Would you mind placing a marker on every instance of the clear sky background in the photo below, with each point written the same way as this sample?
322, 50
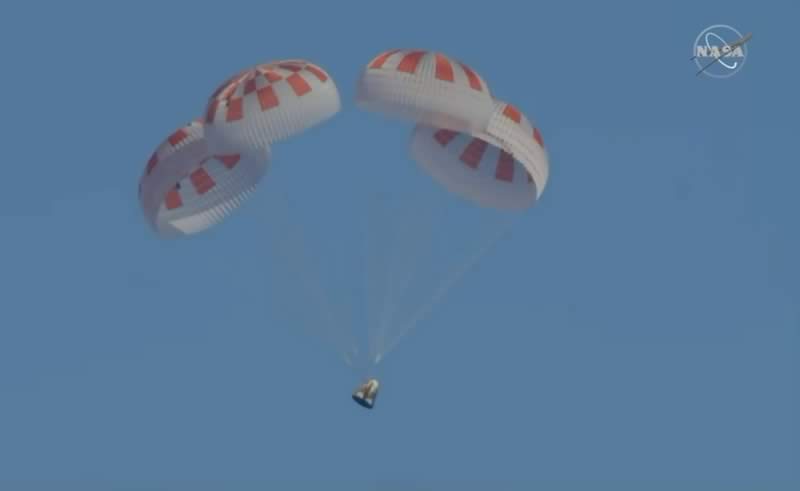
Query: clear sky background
639, 325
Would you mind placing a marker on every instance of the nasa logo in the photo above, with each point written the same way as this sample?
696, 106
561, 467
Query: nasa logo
719, 51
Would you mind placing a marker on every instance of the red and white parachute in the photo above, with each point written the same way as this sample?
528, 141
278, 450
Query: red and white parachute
480, 148
474, 145
205, 170
269, 103
202, 172
477, 147
426, 87
185, 189
511, 130
504, 167
473, 168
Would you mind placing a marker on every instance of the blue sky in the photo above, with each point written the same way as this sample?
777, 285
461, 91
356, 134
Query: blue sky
639, 325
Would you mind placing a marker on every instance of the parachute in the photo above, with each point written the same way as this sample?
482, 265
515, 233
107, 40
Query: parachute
428, 88
477, 147
468, 142
449, 100
473, 168
269, 103
208, 168
515, 133
204, 171
185, 189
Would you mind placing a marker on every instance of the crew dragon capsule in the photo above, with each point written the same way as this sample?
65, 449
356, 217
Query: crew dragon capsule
366, 393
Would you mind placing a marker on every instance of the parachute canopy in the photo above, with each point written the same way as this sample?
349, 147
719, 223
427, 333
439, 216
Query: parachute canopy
505, 167
477, 147
206, 169
268, 103
473, 168
185, 189
428, 88
515, 133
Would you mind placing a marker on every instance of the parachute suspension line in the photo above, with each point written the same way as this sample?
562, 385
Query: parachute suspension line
296, 254
390, 251
376, 242
446, 285
418, 234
